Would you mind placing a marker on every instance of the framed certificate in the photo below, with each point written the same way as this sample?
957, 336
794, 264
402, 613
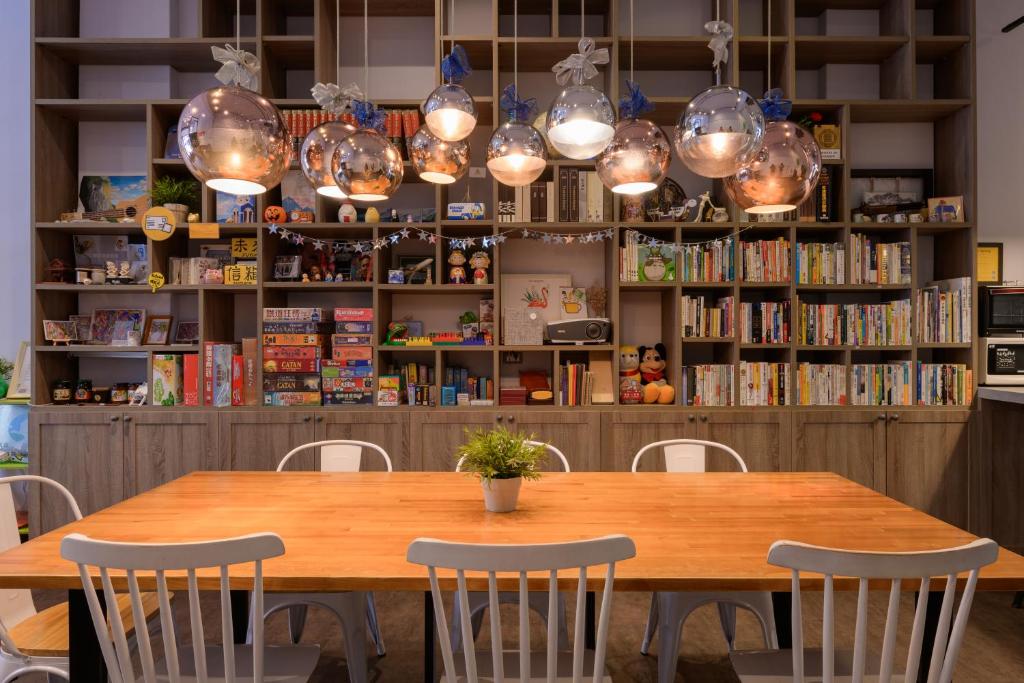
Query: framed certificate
990, 263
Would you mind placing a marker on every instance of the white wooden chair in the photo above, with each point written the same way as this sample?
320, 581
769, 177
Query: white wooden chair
196, 662
523, 665
671, 609
538, 600
828, 664
351, 608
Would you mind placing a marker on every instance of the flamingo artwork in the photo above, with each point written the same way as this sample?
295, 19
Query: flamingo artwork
534, 300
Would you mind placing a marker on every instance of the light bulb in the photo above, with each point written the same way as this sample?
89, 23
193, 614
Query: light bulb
450, 112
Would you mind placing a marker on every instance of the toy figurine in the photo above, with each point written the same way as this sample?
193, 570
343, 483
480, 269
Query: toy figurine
629, 375
305, 278
653, 360
372, 215
126, 270
347, 213
111, 269
457, 272
329, 277
480, 262
314, 274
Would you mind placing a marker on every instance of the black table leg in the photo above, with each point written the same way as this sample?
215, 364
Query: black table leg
428, 637
931, 628
85, 659
782, 608
240, 615
590, 622
1018, 600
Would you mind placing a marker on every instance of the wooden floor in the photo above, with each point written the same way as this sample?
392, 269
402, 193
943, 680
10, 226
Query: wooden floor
993, 651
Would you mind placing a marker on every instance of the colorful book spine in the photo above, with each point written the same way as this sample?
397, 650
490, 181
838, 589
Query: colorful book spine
766, 322
765, 260
707, 385
885, 324
881, 384
701, 319
297, 315
763, 384
820, 384
190, 382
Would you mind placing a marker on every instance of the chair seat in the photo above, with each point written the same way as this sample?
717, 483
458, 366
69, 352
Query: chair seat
776, 666
281, 664
538, 667
45, 634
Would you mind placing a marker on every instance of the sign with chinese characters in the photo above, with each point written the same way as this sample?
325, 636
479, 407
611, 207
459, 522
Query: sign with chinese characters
243, 247
240, 274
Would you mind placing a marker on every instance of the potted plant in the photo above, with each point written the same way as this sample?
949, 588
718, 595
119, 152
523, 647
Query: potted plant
502, 459
180, 196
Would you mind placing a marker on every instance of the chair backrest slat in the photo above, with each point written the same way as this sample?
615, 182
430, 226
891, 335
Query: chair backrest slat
521, 559
117, 627
195, 616
338, 455
828, 632
497, 653
167, 627
895, 567
686, 455
139, 618
227, 627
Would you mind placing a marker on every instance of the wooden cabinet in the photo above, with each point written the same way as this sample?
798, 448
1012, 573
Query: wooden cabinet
436, 435
389, 430
762, 438
577, 433
844, 441
163, 445
627, 431
257, 440
997, 474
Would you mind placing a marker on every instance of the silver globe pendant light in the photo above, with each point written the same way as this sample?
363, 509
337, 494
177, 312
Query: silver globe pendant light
516, 153
581, 120
232, 139
722, 128
438, 161
449, 111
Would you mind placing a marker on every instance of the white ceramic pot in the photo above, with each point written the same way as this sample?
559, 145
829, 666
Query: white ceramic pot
501, 495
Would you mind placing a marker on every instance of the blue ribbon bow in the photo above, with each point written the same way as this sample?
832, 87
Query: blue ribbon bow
455, 66
635, 103
774, 106
517, 109
367, 116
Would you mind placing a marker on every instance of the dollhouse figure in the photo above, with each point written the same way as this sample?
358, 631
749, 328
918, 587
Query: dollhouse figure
314, 273
457, 272
329, 277
111, 269
126, 269
480, 262
305, 278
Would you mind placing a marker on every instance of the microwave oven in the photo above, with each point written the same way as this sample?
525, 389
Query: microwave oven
1001, 312
1002, 361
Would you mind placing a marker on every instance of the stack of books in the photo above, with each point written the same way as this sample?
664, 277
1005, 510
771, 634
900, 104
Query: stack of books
347, 378
766, 322
819, 263
944, 311
295, 342
820, 384
702, 320
513, 396
885, 324
763, 384
460, 388
709, 261
944, 384
880, 384
645, 262
879, 263
707, 385
765, 260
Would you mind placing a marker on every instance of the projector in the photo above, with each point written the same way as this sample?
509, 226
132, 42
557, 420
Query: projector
580, 331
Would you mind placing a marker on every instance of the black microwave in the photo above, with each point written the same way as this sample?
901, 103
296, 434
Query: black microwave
1002, 311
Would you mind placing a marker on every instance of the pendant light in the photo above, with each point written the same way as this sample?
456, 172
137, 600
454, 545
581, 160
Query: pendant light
438, 161
231, 138
365, 165
722, 128
450, 112
516, 154
637, 158
785, 171
581, 121
321, 142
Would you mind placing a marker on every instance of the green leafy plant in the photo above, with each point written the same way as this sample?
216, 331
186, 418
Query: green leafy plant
501, 454
170, 190
6, 368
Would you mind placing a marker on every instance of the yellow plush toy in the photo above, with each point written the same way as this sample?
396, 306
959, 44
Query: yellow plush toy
652, 375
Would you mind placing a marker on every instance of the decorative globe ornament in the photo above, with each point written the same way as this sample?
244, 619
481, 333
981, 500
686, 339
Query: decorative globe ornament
450, 111
317, 153
581, 120
516, 154
719, 132
438, 161
637, 158
366, 166
234, 140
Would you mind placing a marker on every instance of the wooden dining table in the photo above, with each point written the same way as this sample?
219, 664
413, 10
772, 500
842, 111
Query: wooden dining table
350, 531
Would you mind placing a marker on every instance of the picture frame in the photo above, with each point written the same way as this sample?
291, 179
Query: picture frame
946, 209
21, 377
157, 330
187, 332
126, 334
989, 263
83, 327
104, 321
422, 276
60, 331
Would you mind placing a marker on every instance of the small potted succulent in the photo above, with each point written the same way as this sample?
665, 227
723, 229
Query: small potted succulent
501, 459
180, 196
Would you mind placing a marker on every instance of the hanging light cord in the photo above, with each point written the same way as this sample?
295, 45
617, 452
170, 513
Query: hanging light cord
451, 33
515, 45
238, 24
718, 18
583, 17
769, 45
366, 48
337, 40
631, 41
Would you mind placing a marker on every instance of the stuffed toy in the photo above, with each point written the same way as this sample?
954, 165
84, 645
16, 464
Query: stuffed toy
629, 375
655, 388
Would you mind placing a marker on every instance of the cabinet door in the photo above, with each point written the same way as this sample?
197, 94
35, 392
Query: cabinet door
437, 434
577, 433
761, 437
257, 440
626, 431
389, 430
927, 455
83, 449
849, 442
164, 445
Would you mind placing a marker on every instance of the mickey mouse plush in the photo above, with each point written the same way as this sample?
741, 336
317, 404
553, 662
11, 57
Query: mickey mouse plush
652, 375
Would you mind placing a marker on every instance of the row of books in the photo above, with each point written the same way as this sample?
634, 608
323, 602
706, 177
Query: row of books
411, 383
644, 262
944, 384
884, 324
820, 263
707, 385
701, 319
944, 311
765, 260
460, 388
881, 384
820, 384
766, 322
763, 384
201, 270
878, 263
708, 261
576, 383
399, 125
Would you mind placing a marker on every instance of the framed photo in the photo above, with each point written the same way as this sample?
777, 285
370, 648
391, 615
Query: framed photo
158, 329
126, 334
105, 320
538, 295
60, 331
21, 378
990, 263
83, 327
187, 332
946, 210
417, 270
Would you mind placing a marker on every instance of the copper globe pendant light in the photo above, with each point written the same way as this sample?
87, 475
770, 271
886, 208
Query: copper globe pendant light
438, 161
231, 138
365, 165
516, 153
637, 158
449, 111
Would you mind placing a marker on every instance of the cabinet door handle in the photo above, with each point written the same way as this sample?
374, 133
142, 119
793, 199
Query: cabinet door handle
499, 418
127, 418
691, 418
511, 418
881, 416
307, 418
115, 418
703, 418
894, 417
319, 418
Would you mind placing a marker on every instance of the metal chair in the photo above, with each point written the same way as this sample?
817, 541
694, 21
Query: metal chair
671, 609
283, 664
538, 601
520, 559
829, 664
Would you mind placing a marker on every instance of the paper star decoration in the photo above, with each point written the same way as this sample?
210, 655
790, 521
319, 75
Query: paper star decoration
272, 228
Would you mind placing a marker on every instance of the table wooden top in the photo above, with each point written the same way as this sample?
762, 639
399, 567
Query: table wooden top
350, 531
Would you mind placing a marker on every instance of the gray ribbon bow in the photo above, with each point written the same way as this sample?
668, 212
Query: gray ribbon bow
580, 66
239, 67
721, 34
334, 98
